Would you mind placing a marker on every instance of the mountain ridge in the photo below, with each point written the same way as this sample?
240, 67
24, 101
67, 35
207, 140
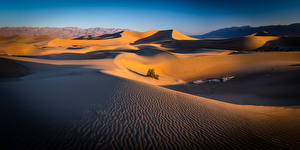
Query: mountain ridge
233, 32
60, 32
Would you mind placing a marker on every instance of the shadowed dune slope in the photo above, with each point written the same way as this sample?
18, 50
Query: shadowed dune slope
250, 42
131, 115
10, 68
270, 87
164, 35
282, 44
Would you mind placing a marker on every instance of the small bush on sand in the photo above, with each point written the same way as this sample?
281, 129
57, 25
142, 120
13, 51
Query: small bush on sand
151, 73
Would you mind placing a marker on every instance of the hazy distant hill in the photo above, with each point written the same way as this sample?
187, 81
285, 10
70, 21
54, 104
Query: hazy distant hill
56, 32
292, 29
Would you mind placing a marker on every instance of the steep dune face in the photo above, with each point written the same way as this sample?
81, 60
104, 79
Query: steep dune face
250, 42
138, 35
282, 44
179, 36
258, 40
243, 43
164, 35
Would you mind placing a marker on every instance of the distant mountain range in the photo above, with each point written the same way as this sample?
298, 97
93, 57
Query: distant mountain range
56, 32
292, 30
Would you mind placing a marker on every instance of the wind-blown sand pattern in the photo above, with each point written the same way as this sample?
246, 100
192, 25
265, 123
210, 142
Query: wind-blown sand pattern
108, 103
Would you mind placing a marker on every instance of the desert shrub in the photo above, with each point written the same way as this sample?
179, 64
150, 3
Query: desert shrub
151, 73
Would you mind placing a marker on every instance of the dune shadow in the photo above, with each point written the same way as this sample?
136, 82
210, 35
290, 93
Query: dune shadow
194, 51
294, 65
148, 50
100, 37
278, 88
143, 50
157, 37
230, 44
36, 108
285, 43
136, 72
98, 54
12, 69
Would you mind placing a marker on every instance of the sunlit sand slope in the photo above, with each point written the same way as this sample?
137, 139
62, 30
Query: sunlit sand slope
45, 45
202, 67
18, 45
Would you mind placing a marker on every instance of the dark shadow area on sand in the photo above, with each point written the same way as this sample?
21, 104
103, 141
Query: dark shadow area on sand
137, 73
38, 110
101, 54
284, 43
239, 44
146, 50
12, 69
157, 37
195, 51
100, 37
270, 88
143, 50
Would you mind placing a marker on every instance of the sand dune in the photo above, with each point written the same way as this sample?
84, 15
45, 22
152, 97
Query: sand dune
10, 68
164, 35
129, 40
250, 42
282, 44
44, 45
93, 93
193, 68
18, 45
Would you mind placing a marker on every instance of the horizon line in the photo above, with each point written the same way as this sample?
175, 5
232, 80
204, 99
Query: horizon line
143, 31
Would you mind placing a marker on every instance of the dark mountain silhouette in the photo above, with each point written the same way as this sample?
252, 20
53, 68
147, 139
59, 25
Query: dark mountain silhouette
56, 32
279, 30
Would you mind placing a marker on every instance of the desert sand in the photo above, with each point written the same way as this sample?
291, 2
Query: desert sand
92, 92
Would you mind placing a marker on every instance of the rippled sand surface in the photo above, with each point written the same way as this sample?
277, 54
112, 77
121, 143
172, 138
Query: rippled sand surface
70, 107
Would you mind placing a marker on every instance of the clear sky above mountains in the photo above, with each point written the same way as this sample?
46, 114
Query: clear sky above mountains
187, 16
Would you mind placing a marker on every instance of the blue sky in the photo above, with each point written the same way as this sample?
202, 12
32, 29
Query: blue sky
187, 16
